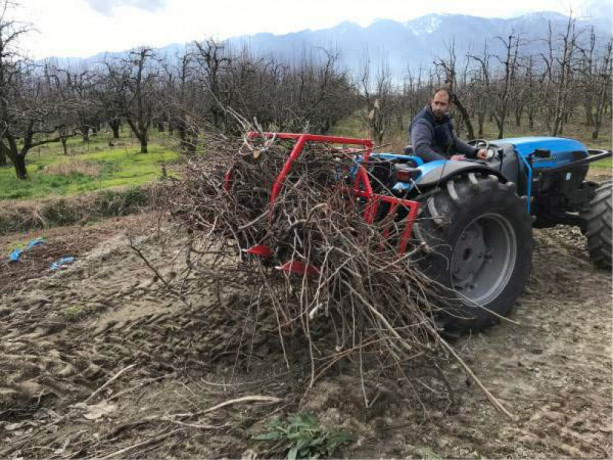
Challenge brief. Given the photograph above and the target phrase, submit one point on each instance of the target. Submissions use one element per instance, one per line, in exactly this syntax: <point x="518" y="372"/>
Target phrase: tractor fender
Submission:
<point x="435" y="172"/>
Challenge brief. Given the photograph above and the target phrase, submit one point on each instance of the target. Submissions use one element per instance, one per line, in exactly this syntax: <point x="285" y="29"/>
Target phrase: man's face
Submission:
<point x="440" y="104"/>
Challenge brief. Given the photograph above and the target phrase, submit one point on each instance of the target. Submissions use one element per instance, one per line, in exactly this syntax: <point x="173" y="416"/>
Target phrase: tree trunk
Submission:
<point x="63" y="141"/>
<point x="20" y="167"/>
<point x="143" y="144"/>
<point x="465" y="117"/>
<point x="85" y="132"/>
<point x="589" y="118"/>
<point x="480" y="122"/>
<point x="500" y="124"/>
<point x="115" y="124"/>
<point x="3" y="161"/>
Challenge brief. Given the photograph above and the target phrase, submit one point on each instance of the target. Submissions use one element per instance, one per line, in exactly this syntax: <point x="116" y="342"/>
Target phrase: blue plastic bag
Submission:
<point x="35" y="242"/>
<point x="14" y="257"/>
<point x="16" y="254"/>
<point x="62" y="263"/>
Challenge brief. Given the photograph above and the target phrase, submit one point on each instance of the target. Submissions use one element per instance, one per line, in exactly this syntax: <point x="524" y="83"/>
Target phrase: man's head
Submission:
<point x="441" y="102"/>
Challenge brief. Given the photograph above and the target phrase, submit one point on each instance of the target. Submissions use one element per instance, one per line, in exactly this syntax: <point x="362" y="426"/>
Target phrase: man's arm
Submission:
<point x="463" y="148"/>
<point x="421" y="139"/>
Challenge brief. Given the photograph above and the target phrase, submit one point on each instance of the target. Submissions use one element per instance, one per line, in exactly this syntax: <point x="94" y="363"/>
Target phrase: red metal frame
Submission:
<point x="361" y="184"/>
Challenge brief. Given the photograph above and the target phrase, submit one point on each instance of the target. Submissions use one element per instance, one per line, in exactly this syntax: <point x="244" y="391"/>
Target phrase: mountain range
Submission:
<point x="413" y="44"/>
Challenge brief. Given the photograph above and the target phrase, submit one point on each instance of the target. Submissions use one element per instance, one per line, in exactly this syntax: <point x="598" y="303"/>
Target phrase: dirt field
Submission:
<point x="101" y="360"/>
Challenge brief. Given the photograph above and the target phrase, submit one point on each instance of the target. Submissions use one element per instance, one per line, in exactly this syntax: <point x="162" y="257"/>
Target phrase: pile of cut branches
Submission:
<point x="347" y="275"/>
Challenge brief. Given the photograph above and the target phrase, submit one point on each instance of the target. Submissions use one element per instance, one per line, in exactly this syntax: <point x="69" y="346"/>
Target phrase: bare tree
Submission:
<point x="141" y="85"/>
<point x="31" y="111"/>
<point x="509" y="63"/>
<point x="481" y="88"/>
<point x="378" y="98"/>
<point x="448" y="65"/>
<point x="603" y="88"/>
<point x="562" y="73"/>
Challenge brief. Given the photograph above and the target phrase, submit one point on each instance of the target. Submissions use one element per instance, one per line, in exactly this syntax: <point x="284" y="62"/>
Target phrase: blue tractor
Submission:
<point x="468" y="224"/>
<point x="476" y="217"/>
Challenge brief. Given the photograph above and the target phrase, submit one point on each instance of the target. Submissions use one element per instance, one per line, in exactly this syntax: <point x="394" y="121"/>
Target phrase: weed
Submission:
<point x="73" y="313"/>
<point x="86" y="168"/>
<point x="301" y="437"/>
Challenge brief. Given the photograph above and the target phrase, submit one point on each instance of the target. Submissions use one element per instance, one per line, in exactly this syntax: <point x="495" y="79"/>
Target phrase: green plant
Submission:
<point x="73" y="313"/>
<point x="301" y="437"/>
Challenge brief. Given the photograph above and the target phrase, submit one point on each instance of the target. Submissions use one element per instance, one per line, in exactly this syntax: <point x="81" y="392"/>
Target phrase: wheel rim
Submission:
<point x="483" y="259"/>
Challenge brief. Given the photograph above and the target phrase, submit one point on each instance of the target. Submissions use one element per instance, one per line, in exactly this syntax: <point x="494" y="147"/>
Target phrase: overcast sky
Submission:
<point x="79" y="28"/>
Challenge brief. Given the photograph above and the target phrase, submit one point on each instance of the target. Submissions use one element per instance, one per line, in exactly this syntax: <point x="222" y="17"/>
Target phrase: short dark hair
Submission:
<point x="444" y="89"/>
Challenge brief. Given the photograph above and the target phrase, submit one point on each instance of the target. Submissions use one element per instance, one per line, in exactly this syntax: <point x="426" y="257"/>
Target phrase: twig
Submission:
<point x="108" y="382"/>
<point x="157" y="438"/>
<point x="492" y="399"/>
<point x="262" y="399"/>
<point x="194" y="425"/>
<point x="157" y="273"/>
<point x="140" y="385"/>
<point x="254" y="221"/>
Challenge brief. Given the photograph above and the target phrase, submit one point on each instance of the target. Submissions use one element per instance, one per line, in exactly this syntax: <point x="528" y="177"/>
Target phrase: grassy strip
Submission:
<point x="24" y="216"/>
<point x="105" y="168"/>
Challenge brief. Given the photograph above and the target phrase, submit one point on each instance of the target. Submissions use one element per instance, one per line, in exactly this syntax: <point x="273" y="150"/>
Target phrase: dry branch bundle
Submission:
<point x="355" y="286"/>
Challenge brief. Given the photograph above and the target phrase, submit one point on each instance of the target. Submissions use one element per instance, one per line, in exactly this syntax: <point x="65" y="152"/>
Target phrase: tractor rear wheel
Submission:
<point x="478" y="236"/>
<point x="598" y="230"/>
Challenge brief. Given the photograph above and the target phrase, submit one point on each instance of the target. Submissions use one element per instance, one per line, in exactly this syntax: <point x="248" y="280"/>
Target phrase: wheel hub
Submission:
<point x="483" y="259"/>
<point x="469" y="256"/>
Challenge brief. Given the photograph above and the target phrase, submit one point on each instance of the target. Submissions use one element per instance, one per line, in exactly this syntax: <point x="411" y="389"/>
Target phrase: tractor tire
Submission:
<point x="598" y="229"/>
<point x="478" y="249"/>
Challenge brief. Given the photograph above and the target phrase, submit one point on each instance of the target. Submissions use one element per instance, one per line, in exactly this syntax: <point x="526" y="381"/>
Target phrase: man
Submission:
<point x="432" y="133"/>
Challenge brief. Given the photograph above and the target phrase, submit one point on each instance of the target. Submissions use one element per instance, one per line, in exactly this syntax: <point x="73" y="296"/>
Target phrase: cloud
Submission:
<point x="106" y="7"/>
<point x="599" y="9"/>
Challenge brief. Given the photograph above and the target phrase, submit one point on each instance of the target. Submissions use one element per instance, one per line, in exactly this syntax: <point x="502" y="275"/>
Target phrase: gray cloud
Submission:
<point x="107" y="6"/>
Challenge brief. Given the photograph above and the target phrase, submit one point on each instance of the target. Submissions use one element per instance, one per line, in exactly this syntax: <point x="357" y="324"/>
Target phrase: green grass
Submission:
<point x="607" y="163"/>
<point x="352" y="126"/>
<point x="109" y="167"/>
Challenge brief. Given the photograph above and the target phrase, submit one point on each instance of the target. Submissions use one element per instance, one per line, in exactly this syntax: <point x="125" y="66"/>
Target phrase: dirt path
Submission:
<point x="64" y="335"/>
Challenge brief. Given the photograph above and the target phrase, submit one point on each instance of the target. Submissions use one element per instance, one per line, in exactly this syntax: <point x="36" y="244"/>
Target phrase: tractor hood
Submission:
<point x="562" y="150"/>
<point x="526" y="145"/>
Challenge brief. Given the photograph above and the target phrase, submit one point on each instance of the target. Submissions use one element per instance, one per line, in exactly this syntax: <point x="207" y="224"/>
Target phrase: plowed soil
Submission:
<point x="101" y="359"/>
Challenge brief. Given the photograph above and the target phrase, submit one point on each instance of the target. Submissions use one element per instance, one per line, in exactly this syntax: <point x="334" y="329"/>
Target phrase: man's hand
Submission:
<point x="457" y="157"/>
<point x="482" y="154"/>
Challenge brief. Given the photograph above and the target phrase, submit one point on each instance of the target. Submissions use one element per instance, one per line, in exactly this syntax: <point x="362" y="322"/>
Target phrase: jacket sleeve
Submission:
<point x="421" y="139"/>
<point x="463" y="148"/>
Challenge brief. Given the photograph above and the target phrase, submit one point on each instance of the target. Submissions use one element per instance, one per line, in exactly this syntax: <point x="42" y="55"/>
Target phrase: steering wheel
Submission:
<point x="482" y="144"/>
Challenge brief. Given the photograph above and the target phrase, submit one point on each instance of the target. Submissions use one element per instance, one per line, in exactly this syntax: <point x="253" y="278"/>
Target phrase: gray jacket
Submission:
<point x="434" y="139"/>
